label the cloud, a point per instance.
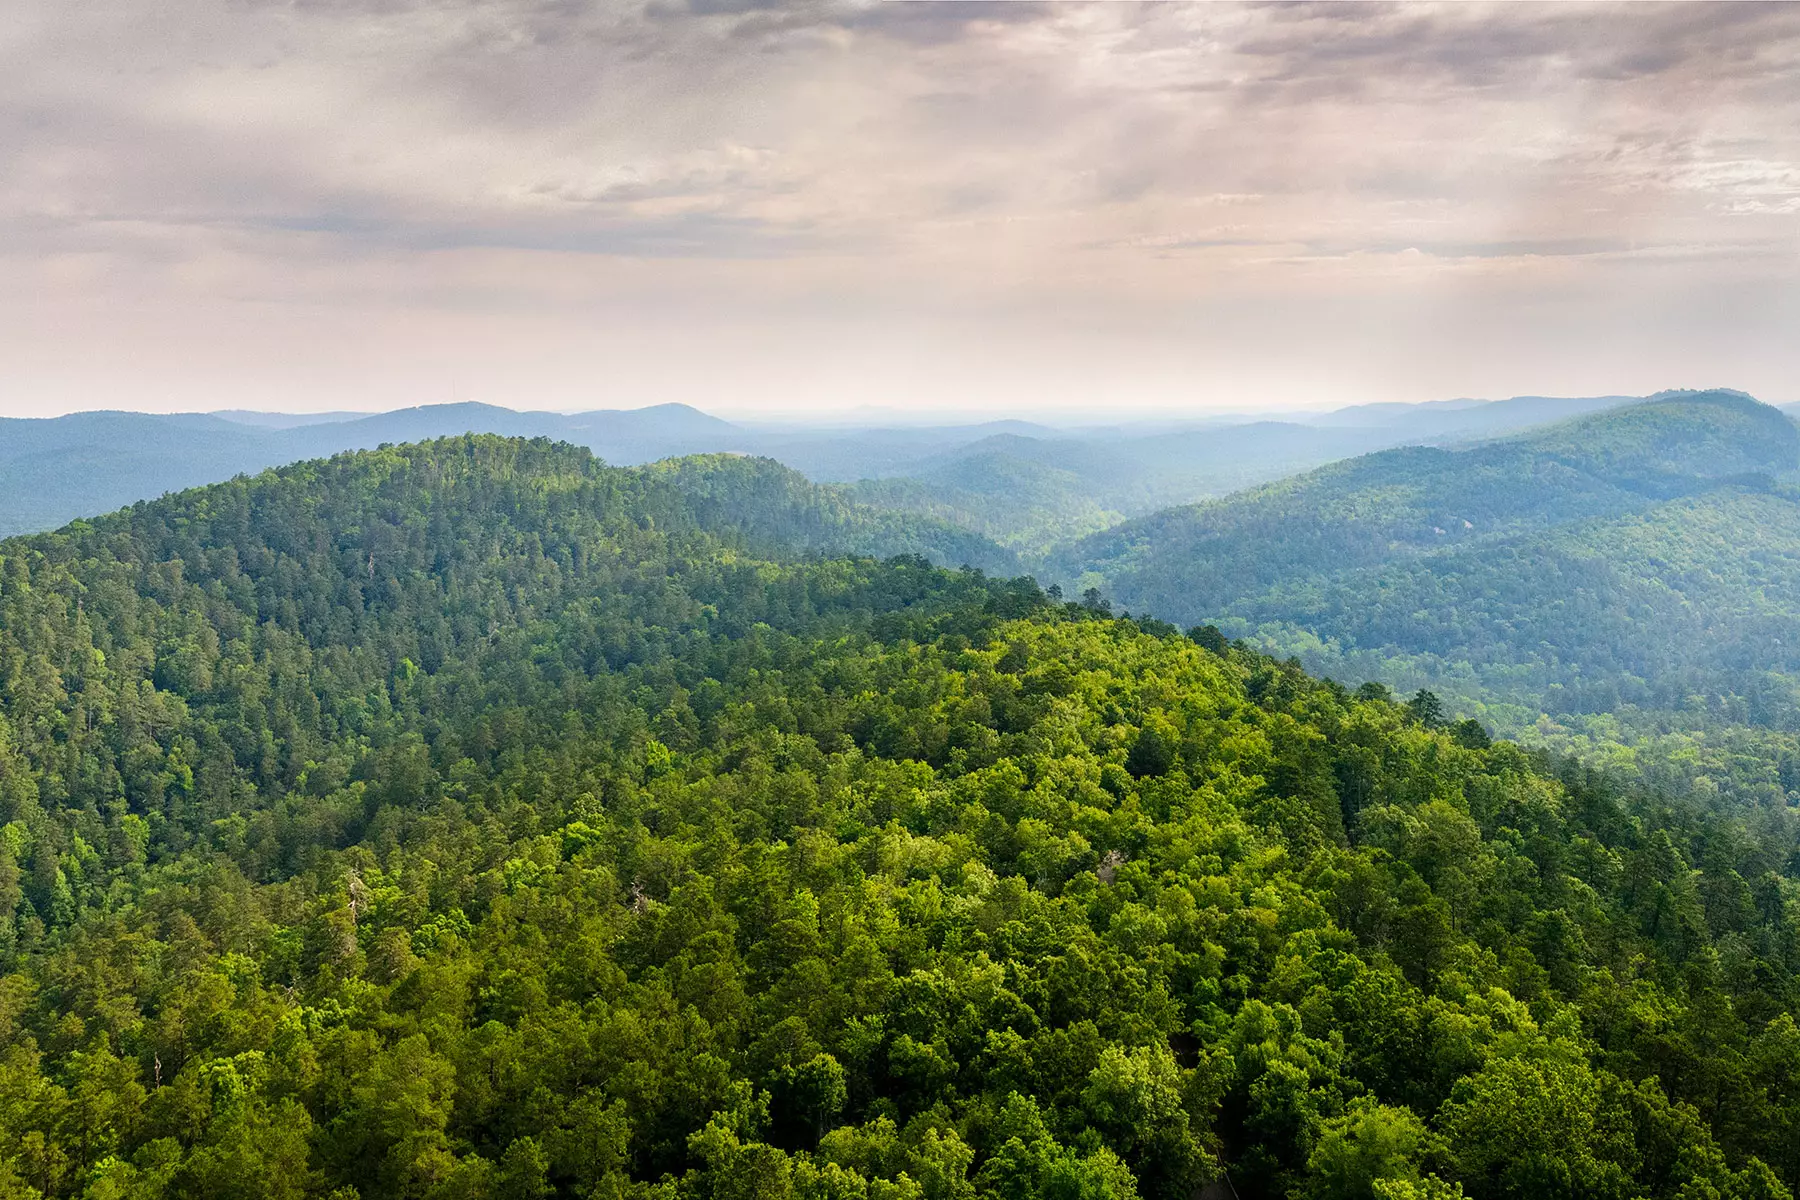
(913, 173)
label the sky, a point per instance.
(830, 205)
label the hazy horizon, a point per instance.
(1016, 209)
(854, 417)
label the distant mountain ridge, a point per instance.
(1413, 499)
(1466, 416)
(1107, 472)
(778, 511)
(1638, 555)
(53, 470)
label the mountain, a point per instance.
(1636, 556)
(54, 470)
(1435, 419)
(1012, 499)
(276, 420)
(778, 510)
(1185, 562)
(838, 454)
(1028, 491)
(473, 819)
(1136, 472)
(623, 436)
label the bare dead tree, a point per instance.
(1109, 866)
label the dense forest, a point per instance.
(1040, 490)
(472, 819)
(1630, 574)
(1015, 501)
(1024, 484)
(1417, 501)
(774, 509)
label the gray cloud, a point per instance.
(1186, 201)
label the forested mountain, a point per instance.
(54, 470)
(85, 463)
(776, 510)
(1644, 557)
(472, 819)
(1441, 420)
(1034, 491)
(1025, 504)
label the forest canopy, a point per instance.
(1616, 583)
(473, 819)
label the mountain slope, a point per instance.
(1438, 419)
(472, 820)
(52, 471)
(1011, 499)
(1032, 490)
(1692, 598)
(1629, 549)
(55, 470)
(778, 511)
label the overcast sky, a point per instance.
(819, 206)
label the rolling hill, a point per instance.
(1012, 499)
(54, 470)
(776, 511)
(472, 819)
(1641, 557)
(1073, 480)
(1029, 490)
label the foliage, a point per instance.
(1015, 501)
(471, 820)
(1603, 581)
(778, 510)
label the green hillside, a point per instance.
(1635, 560)
(56, 469)
(1668, 446)
(1187, 563)
(1025, 484)
(472, 819)
(777, 510)
(1665, 603)
(1013, 500)
(1033, 488)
